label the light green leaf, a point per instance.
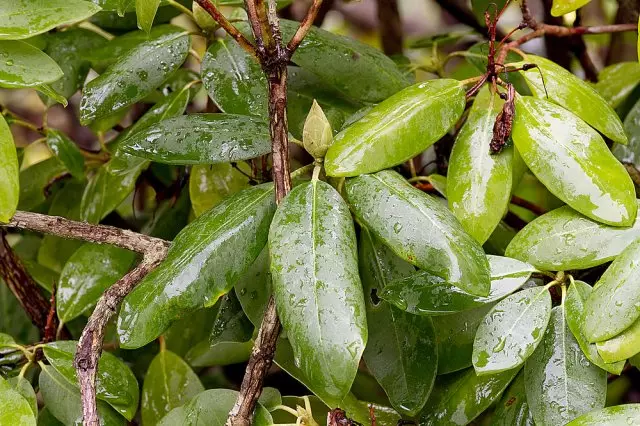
(623, 346)
(419, 229)
(617, 81)
(10, 188)
(573, 162)
(210, 184)
(562, 7)
(146, 11)
(22, 65)
(620, 415)
(67, 152)
(15, 409)
(24, 388)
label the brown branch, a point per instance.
(325, 8)
(51, 327)
(390, 27)
(533, 208)
(227, 26)
(465, 16)
(304, 27)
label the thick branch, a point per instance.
(226, 25)
(390, 27)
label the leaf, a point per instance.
(561, 382)
(444, 39)
(574, 304)
(623, 346)
(115, 383)
(14, 321)
(62, 399)
(401, 351)
(618, 415)
(630, 154)
(169, 219)
(23, 65)
(317, 134)
(225, 353)
(169, 383)
(19, 19)
(613, 305)
(511, 331)
(419, 229)
(146, 11)
(45, 418)
(460, 397)
(480, 7)
(479, 187)
(191, 330)
(231, 324)
(564, 239)
(201, 139)
(9, 175)
(35, 180)
(211, 184)
(478, 54)
(204, 262)
(15, 409)
(568, 91)
(91, 270)
(513, 408)
(316, 285)
(617, 81)
(425, 294)
(67, 152)
(136, 74)
(234, 79)
(397, 129)
(24, 388)
(562, 7)
(573, 162)
(253, 289)
(211, 407)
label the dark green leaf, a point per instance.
(231, 324)
(443, 39)
(419, 229)
(316, 285)
(513, 408)
(35, 180)
(10, 189)
(201, 139)
(210, 184)
(478, 54)
(616, 82)
(479, 7)
(204, 261)
(561, 382)
(67, 152)
(573, 162)
(619, 415)
(191, 330)
(146, 11)
(23, 65)
(13, 319)
(397, 129)
(253, 289)
(225, 353)
(169, 219)
(45, 418)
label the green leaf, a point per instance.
(562, 7)
(397, 129)
(6, 340)
(67, 152)
(613, 305)
(425, 294)
(203, 263)
(478, 54)
(146, 11)
(617, 81)
(316, 285)
(115, 383)
(15, 409)
(513, 408)
(211, 184)
(211, 407)
(630, 154)
(455, 334)
(9, 175)
(201, 139)
(23, 65)
(63, 400)
(24, 388)
(613, 416)
(253, 289)
(561, 382)
(568, 91)
(623, 346)
(169, 219)
(191, 330)
(134, 76)
(13, 319)
(45, 418)
(169, 383)
(479, 187)
(401, 351)
(225, 353)
(577, 296)
(460, 397)
(573, 162)
(21, 19)
(564, 239)
(230, 324)
(91, 270)
(234, 79)
(443, 39)
(479, 7)
(35, 180)
(419, 229)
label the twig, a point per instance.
(227, 26)
(51, 328)
(533, 208)
(390, 25)
(304, 27)
(464, 16)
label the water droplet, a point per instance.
(9, 62)
(500, 346)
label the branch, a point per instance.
(304, 27)
(464, 16)
(390, 27)
(227, 26)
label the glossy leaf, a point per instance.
(210, 184)
(562, 7)
(401, 352)
(87, 274)
(613, 305)
(513, 408)
(134, 76)
(225, 353)
(19, 19)
(15, 409)
(115, 383)
(425, 294)
(35, 179)
(201, 139)
(419, 229)
(203, 263)
(479, 188)
(619, 415)
(459, 398)
(616, 82)
(169, 383)
(23, 65)
(190, 331)
(230, 324)
(146, 11)
(630, 154)
(564, 239)
(623, 346)
(561, 382)
(10, 189)
(511, 331)
(396, 129)
(67, 152)
(253, 289)
(577, 296)
(316, 285)
(573, 162)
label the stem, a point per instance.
(390, 25)
(304, 27)
(227, 26)
(181, 8)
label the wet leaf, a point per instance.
(317, 135)
(230, 324)
(316, 285)
(67, 152)
(562, 7)
(10, 189)
(23, 65)
(146, 11)
(419, 229)
(573, 162)
(201, 139)
(204, 262)
(623, 346)
(479, 187)
(169, 383)
(210, 184)
(401, 351)
(191, 330)
(169, 219)
(618, 415)
(617, 81)
(15, 409)
(397, 129)
(253, 289)
(513, 408)
(35, 180)
(630, 154)
(561, 382)
(225, 353)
